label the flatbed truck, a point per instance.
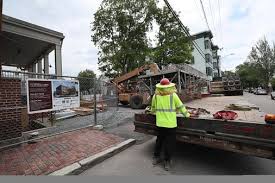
(248, 134)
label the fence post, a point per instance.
(95, 104)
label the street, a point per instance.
(263, 101)
(189, 159)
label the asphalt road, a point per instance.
(188, 159)
(263, 101)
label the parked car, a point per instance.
(272, 95)
(261, 92)
(250, 90)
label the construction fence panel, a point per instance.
(106, 103)
(98, 103)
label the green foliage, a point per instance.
(262, 56)
(86, 80)
(228, 73)
(87, 74)
(120, 31)
(173, 44)
(249, 75)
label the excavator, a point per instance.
(128, 86)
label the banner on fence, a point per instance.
(52, 95)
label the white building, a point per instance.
(206, 59)
(216, 62)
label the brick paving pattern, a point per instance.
(49, 155)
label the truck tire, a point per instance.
(136, 102)
(124, 102)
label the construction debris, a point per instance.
(237, 107)
(241, 107)
(82, 111)
(197, 111)
(86, 104)
(226, 115)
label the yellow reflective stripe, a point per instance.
(171, 102)
(171, 106)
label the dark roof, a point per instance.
(21, 23)
(203, 35)
(23, 43)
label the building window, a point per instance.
(215, 54)
(215, 65)
(207, 44)
(209, 71)
(208, 58)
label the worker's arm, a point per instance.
(180, 107)
(153, 104)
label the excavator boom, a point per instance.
(153, 68)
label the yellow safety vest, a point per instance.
(166, 108)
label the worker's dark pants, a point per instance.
(166, 138)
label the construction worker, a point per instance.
(165, 104)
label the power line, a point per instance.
(184, 29)
(199, 10)
(205, 17)
(221, 34)
(212, 15)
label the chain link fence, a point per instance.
(98, 105)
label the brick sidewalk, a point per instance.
(54, 153)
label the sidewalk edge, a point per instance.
(82, 165)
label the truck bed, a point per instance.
(214, 104)
(248, 134)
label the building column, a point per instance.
(58, 60)
(34, 70)
(40, 69)
(46, 64)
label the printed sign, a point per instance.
(40, 95)
(65, 94)
(52, 95)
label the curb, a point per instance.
(82, 165)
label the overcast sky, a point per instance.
(242, 24)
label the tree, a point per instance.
(87, 80)
(263, 58)
(120, 31)
(173, 44)
(248, 74)
(228, 73)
